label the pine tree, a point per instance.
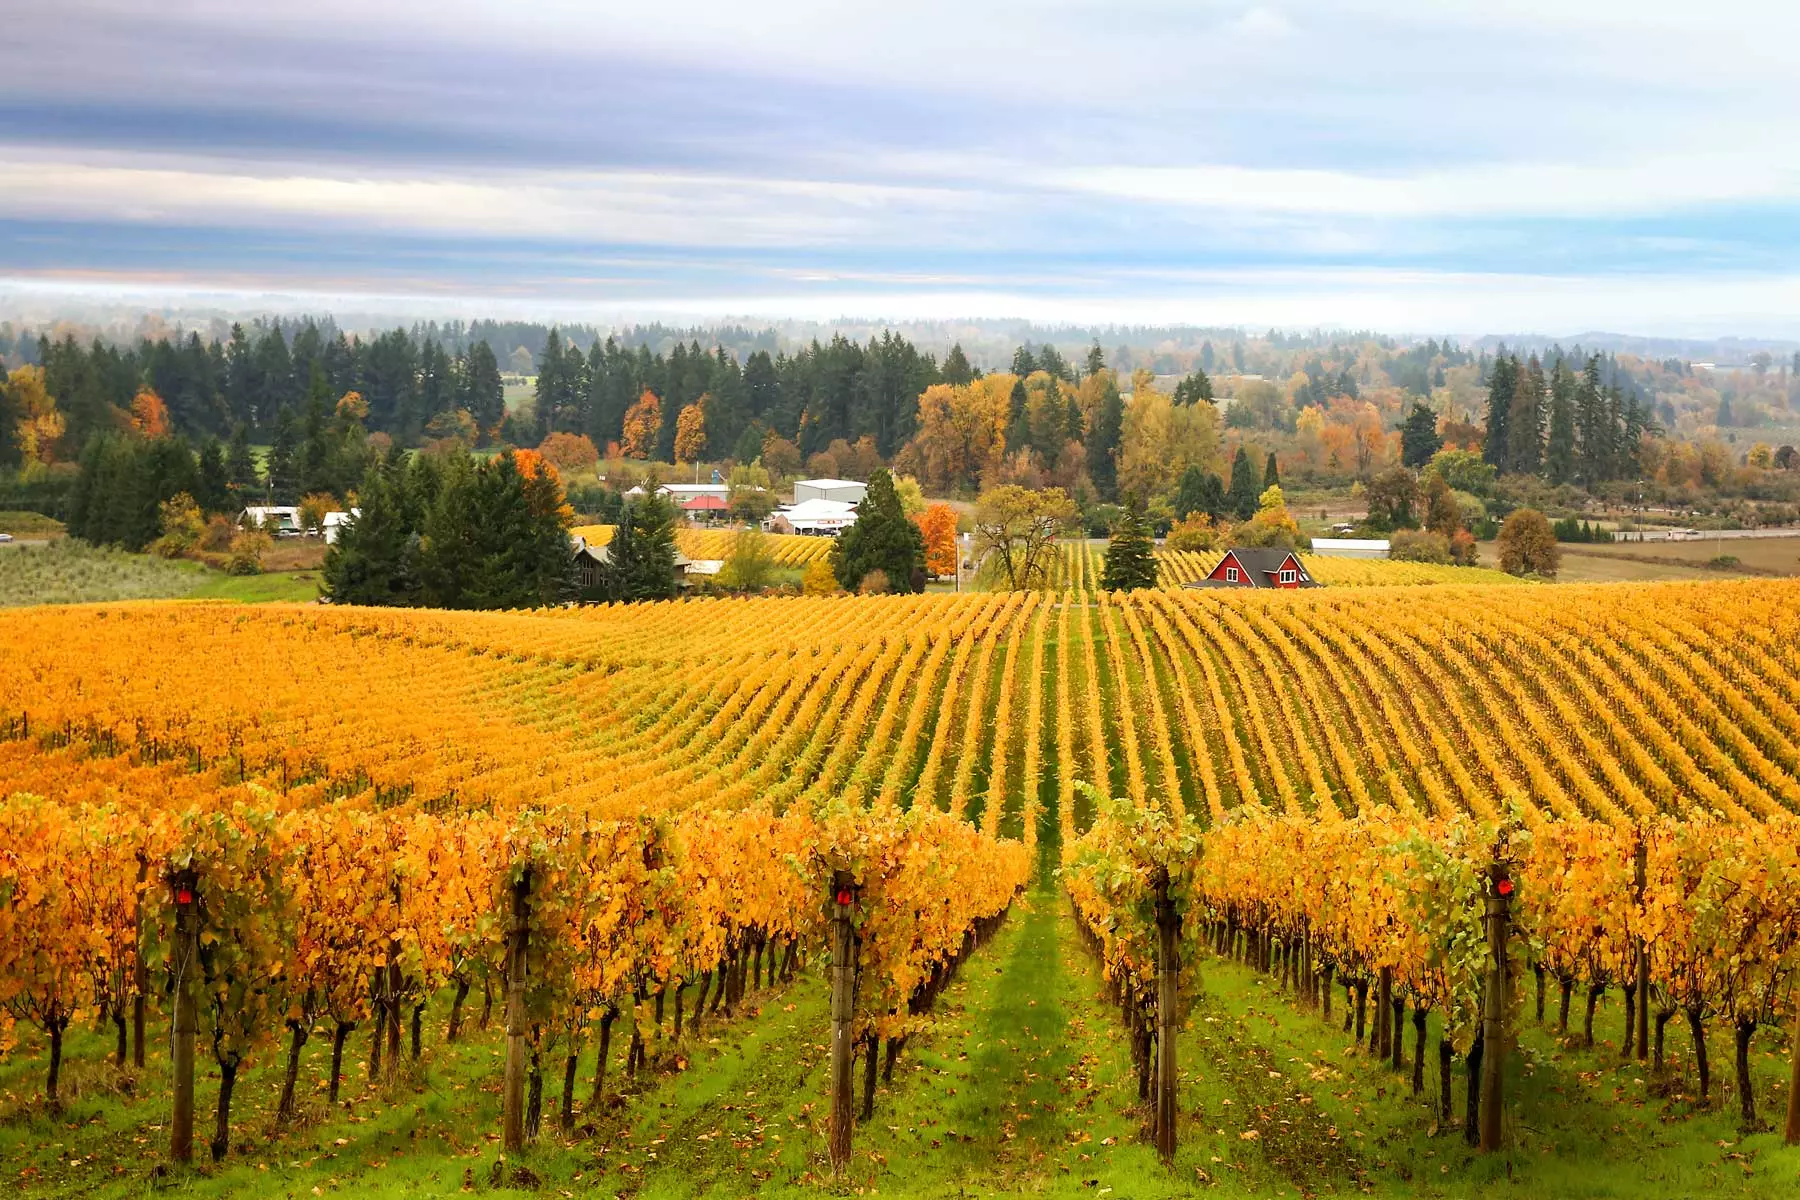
(1595, 440)
(214, 491)
(240, 466)
(956, 367)
(1559, 449)
(1196, 388)
(284, 479)
(368, 563)
(1271, 473)
(483, 394)
(1024, 362)
(1241, 495)
(1525, 422)
(1501, 386)
(1419, 438)
(1096, 360)
(1103, 441)
(1130, 554)
(881, 540)
(1199, 491)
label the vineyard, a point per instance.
(787, 549)
(612, 825)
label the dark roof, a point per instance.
(1262, 563)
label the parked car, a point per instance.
(5, 537)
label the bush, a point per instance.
(1197, 535)
(875, 583)
(1409, 545)
(1528, 545)
(247, 550)
(1464, 550)
(818, 580)
(181, 524)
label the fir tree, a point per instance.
(213, 493)
(1525, 422)
(1559, 448)
(1242, 493)
(1271, 473)
(1501, 386)
(956, 367)
(369, 562)
(1103, 441)
(1419, 438)
(881, 540)
(284, 479)
(1199, 491)
(1130, 554)
(1196, 388)
(1096, 360)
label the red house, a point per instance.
(1257, 568)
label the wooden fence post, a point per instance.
(186, 964)
(1168, 928)
(1493, 1016)
(512, 1126)
(843, 1014)
(1793, 1113)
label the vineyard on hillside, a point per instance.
(339, 813)
(788, 549)
(1080, 565)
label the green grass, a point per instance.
(292, 587)
(30, 525)
(1022, 1087)
(69, 571)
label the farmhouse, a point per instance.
(1257, 568)
(591, 556)
(829, 517)
(846, 491)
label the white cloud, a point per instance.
(1262, 24)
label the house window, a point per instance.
(1288, 575)
(1232, 576)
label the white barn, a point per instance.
(1350, 547)
(846, 491)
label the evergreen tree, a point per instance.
(314, 467)
(213, 484)
(1200, 491)
(370, 562)
(881, 540)
(1096, 360)
(641, 557)
(1559, 447)
(550, 389)
(1241, 496)
(956, 367)
(1024, 362)
(482, 392)
(1501, 386)
(1103, 441)
(1130, 554)
(1271, 473)
(1196, 388)
(1018, 433)
(1419, 438)
(240, 466)
(1595, 441)
(284, 478)
(1525, 422)
(1725, 419)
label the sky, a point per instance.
(1531, 166)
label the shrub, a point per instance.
(181, 524)
(875, 583)
(1464, 550)
(247, 550)
(818, 580)
(1409, 545)
(1197, 534)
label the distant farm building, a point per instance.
(1257, 568)
(590, 557)
(680, 493)
(1351, 547)
(847, 491)
(827, 517)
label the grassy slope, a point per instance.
(72, 572)
(1023, 1087)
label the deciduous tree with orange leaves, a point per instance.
(938, 524)
(643, 421)
(690, 432)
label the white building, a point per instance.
(272, 518)
(334, 521)
(847, 491)
(679, 492)
(1350, 547)
(830, 517)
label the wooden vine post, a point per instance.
(1493, 1006)
(185, 963)
(518, 950)
(1793, 1114)
(1640, 872)
(1168, 930)
(842, 906)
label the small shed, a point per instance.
(1249, 567)
(846, 491)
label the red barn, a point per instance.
(1256, 568)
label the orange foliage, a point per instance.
(643, 421)
(569, 451)
(938, 524)
(149, 415)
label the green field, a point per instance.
(68, 571)
(1022, 1087)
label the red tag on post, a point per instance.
(843, 896)
(184, 897)
(1504, 887)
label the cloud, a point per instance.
(1261, 24)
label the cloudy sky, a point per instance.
(1529, 166)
